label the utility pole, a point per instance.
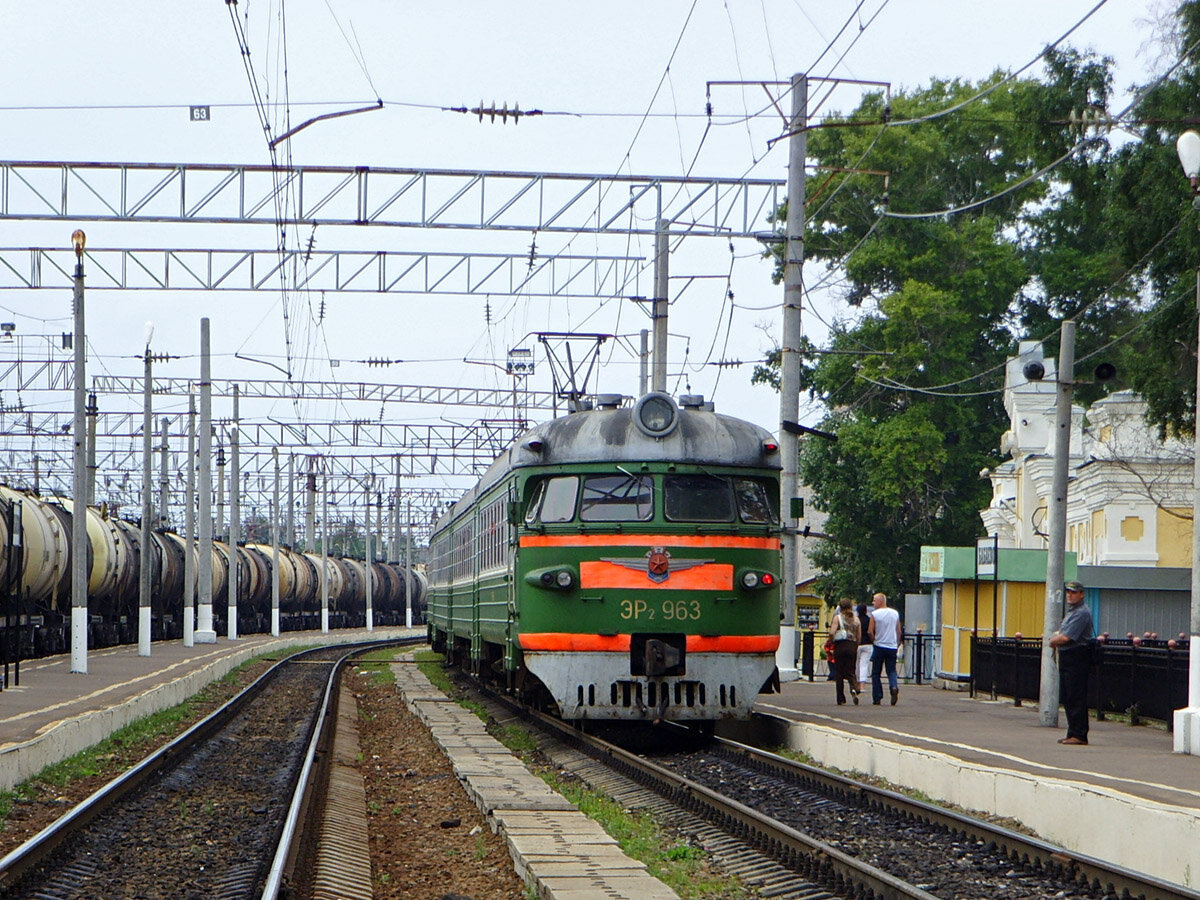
(661, 290)
(79, 560)
(144, 573)
(789, 393)
(204, 630)
(189, 532)
(1057, 521)
(235, 524)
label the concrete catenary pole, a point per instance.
(310, 506)
(275, 547)
(410, 580)
(1056, 547)
(145, 555)
(324, 554)
(79, 560)
(164, 471)
(789, 392)
(235, 514)
(219, 526)
(189, 531)
(204, 627)
(644, 363)
(658, 381)
(289, 533)
(93, 412)
(368, 555)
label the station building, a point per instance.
(1129, 526)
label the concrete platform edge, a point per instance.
(540, 827)
(1091, 820)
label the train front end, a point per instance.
(646, 579)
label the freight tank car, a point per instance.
(620, 563)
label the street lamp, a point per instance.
(1187, 720)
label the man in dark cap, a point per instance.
(1074, 662)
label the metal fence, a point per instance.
(914, 662)
(1144, 680)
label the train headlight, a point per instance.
(750, 579)
(656, 414)
(558, 578)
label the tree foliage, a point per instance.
(912, 383)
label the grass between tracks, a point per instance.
(671, 858)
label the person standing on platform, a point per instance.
(844, 632)
(885, 634)
(1074, 661)
(864, 647)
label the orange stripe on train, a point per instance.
(646, 540)
(710, 577)
(620, 643)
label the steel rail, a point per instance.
(37, 849)
(814, 859)
(1018, 847)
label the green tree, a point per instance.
(912, 385)
(1152, 227)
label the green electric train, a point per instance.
(619, 563)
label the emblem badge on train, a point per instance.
(657, 563)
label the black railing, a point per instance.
(1143, 680)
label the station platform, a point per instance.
(54, 713)
(1126, 797)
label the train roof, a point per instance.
(618, 434)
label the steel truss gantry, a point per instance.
(334, 271)
(402, 197)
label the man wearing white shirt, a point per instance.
(886, 634)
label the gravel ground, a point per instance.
(428, 840)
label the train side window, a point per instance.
(697, 498)
(617, 498)
(535, 503)
(757, 500)
(553, 500)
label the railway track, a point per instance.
(211, 815)
(797, 831)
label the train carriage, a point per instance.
(622, 561)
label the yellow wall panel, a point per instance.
(1175, 538)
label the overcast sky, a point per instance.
(623, 86)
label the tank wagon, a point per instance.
(35, 581)
(619, 563)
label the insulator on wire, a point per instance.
(516, 113)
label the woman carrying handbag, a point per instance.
(844, 632)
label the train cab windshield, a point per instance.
(701, 498)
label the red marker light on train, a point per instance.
(768, 579)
